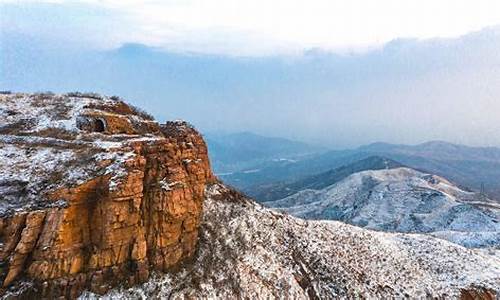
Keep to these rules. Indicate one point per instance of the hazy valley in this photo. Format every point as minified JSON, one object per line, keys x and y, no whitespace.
{"x":473,"y":168}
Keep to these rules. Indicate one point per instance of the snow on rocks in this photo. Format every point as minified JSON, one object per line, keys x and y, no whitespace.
{"x":248,"y":251}
{"x":26,"y":171}
{"x":30,"y":169}
{"x":402,"y":200}
{"x":43,"y":147}
{"x":116,"y":169}
{"x":46,"y":110}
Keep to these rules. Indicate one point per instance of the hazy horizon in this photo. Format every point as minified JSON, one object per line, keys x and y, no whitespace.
{"x":421,"y":82}
{"x":327,"y":148}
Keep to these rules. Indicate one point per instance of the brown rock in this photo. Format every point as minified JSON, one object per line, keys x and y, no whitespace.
{"x":109,"y":235}
{"x":478,"y":293}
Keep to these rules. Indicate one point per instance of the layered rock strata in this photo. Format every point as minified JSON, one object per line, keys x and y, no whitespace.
{"x":134,"y":206}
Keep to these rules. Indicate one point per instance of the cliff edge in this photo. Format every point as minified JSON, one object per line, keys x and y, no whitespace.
{"x":97,"y":200}
{"x":94,"y":193}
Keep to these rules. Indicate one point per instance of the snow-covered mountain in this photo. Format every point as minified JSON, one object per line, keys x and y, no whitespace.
{"x":402,"y":200}
{"x":247,"y":251}
{"x":477,"y":168}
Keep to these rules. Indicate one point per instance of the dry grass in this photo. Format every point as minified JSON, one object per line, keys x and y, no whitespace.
{"x":17,"y":127}
{"x":56,"y":107}
{"x":57,"y":133}
{"x":142,"y":113}
{"x":84,"y":95}
{"x":121,"y":108}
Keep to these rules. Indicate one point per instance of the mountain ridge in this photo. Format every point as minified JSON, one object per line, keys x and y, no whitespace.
{"x":474,"y":168}
{"x":322,"y":180}
{"x":246,"y":150}
{"x":401,"y":200}
{"x":438,"y":147}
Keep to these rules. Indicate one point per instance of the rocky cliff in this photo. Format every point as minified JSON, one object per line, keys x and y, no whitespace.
{"x":93,"y":194}
{"x":247,"y":251}
{"x":97,"y":200}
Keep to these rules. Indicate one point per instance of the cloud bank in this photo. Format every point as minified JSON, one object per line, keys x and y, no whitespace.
{"x":210,"y":73}
{"x":258,"y":27}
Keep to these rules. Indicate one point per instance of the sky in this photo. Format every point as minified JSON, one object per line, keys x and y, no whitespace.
{"x":336,"y":73}
{"x":257,"y":27}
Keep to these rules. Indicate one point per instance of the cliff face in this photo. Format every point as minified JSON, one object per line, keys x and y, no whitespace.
{"x":247,"y":251}
{"x":133,"y":206}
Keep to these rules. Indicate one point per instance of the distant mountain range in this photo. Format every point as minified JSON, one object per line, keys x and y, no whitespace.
{"x":245,"y":150}
{"x":281,"y":190}
{"x":380,"y":186}
{"x":399,"y":199}
{"x":475,"y":168}
{"x":438,"y":150}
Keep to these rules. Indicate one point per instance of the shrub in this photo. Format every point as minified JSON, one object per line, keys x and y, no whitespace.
{"x":142,"y":113}
{"x":43,"y":95}
{"x":84,"y":95}
{"x":17,"y":127}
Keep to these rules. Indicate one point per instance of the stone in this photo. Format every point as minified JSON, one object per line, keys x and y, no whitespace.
{"x":111,"y":231}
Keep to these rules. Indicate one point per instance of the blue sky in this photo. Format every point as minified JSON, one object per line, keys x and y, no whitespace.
{"x":339,"y":73}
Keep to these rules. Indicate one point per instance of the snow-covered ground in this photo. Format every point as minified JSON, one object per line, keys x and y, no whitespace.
{"x":43,"y":111}
{"x":402,"y":200}
{"x":42,"y":148}
{"x":247,"y":251}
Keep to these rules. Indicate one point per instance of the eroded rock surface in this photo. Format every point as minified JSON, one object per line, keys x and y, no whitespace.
{"x":86,"y":206}
{"x":247,"y":251}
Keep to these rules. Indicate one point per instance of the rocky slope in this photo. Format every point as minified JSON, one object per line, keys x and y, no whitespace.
{"x":403,"y":200}
{"x":93,"y":194}
{"x":249,"y":252}
{"x":99,"y":201}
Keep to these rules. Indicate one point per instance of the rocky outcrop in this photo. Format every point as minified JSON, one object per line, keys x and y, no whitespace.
{"x":247,"y":251}
{"x":96,"y":198}
{"x":138,"y":210}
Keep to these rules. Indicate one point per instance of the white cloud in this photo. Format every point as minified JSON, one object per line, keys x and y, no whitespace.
{"x":270,"y":26}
